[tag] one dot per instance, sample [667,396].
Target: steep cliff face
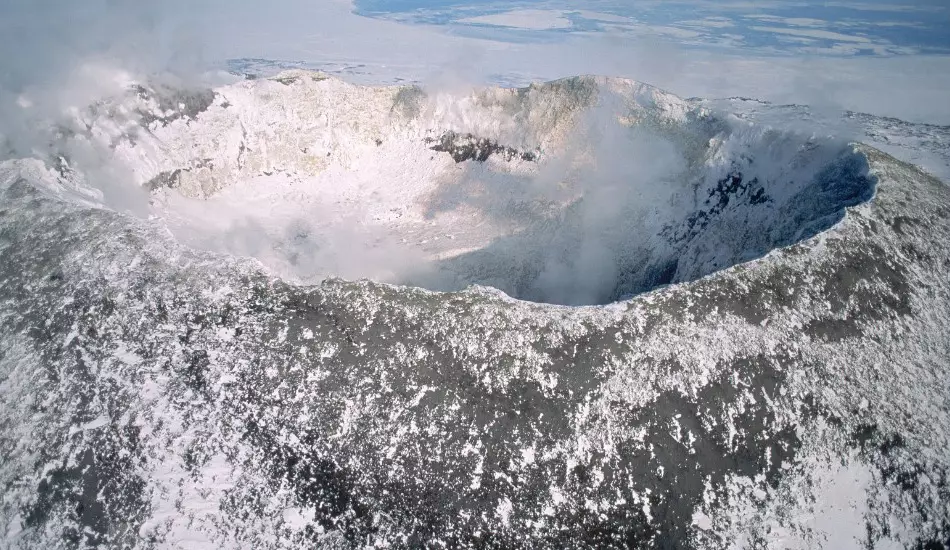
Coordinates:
[787,389]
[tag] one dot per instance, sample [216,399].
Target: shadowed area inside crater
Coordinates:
[641,212]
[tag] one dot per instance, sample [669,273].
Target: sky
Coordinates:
[887,58]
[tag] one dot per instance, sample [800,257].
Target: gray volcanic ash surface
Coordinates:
[757,357]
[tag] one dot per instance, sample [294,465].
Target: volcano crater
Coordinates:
[583,191]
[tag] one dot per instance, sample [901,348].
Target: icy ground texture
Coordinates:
[580,191]
[153,395]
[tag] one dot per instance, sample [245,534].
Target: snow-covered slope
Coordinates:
[159,391]
[924,145]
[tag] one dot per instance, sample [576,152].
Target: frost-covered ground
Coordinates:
[774,373]
[668,323]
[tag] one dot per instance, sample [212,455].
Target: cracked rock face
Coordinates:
[774,377]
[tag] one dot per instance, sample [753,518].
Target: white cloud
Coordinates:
[878,7]
[523,19]
[814,33]
[709,22]
[598,16]
[675,32]
[791,21]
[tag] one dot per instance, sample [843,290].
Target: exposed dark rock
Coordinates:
[286,80]
[169,180]
[173,103]
[463,147]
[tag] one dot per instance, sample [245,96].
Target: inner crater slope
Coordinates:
[580,191]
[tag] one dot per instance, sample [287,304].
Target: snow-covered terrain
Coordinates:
[188,359]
